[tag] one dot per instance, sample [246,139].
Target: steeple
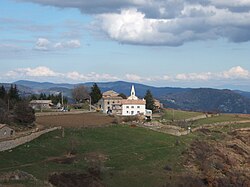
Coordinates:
[132,91]
[132,94]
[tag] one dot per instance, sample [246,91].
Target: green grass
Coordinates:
[136,156]
[218,119]
[179,114]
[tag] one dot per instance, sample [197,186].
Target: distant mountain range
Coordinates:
[201,99]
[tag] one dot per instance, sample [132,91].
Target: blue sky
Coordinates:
[187,43]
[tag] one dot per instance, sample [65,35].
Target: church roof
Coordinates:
[134,102]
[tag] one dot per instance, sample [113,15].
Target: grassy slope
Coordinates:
[136,156]
[179,114]
[219,119]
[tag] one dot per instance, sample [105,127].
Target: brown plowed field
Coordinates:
[75,120]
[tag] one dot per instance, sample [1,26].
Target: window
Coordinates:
[138,106]
[127,106]
[113,102]
[132,112]
[108,102]
[138,112]
[132,106]
[127,112]
[5,132]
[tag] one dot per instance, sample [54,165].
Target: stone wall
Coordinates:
[9,144]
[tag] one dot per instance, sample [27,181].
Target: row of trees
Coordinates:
[81,93]
[11,95]
[13,108]
[57,98]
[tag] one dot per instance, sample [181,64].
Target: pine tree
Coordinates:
[13,93]
[2,92]
[95,94]
[149,100]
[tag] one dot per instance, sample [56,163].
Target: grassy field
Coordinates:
[126,155]
[179,114]
[131,156]
[219,119]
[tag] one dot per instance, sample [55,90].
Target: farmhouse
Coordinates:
[6,132]
[111,102]
[41,104]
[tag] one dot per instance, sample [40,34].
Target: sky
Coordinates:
[177,43]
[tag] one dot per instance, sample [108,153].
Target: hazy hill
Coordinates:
[42,85]
[207,99]
[118,86]
[202,99]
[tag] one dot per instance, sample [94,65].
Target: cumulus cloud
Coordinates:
[45,72]
[133,77]
[40,71]
[236,73]
[44,44]
[169,22]
[90,76]
[233,74]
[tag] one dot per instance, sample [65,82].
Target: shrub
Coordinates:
[3,112]
[24,114]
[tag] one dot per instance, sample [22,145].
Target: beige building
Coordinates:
[111,102]
[6,132]
[41,104]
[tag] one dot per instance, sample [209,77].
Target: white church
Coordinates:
[112,103]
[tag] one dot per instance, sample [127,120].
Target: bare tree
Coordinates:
[80,93]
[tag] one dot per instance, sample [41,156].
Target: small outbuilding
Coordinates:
[41,104]
[6,132]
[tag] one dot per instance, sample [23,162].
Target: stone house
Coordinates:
[111,102]
[41,104]
[6,132]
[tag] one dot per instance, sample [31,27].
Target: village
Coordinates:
[110,103]
[73,136]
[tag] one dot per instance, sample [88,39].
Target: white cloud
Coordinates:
[40,71]
[42,44]
[46,45]
[133,77]
[236,73]
[73,44]
[195,76]
[43,72]
[67,45]
[169,22]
